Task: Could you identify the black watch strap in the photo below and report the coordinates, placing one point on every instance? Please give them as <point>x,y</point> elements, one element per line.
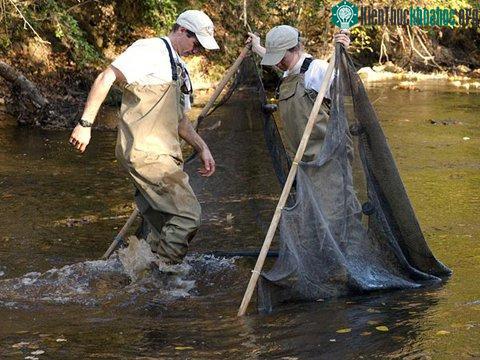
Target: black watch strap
<point>85,123</point>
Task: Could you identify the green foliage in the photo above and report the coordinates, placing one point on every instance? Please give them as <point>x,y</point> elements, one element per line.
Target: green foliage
<point>362,39</point>
<point>68,31</point>
<point>159,14</point>
<point>82,29</point>
<point>51,17</point>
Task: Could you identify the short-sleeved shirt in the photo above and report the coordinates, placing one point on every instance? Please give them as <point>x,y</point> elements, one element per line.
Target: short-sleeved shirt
<point>314,75</point>
<point>147,62</point>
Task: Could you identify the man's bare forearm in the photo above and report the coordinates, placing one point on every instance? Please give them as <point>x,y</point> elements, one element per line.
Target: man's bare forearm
<point>188,133</point>
<point>98,92</point>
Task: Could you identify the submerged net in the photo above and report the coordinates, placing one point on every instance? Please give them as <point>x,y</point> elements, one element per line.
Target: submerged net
<point>348,227</point>
<point>239,198</point>
<point>331,244</point>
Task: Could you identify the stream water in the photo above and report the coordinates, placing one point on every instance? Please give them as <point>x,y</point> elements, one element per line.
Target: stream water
<point>60,211</point>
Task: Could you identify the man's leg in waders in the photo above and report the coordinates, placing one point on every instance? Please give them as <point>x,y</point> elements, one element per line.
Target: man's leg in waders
<point>170,210</point>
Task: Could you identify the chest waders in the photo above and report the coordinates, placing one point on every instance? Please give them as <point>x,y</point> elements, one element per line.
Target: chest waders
<point>148,147</point>
<point>295,103</point>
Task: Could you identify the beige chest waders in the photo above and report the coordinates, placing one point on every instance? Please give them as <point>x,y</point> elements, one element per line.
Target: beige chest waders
<point>295,104</point>
<point>148,148</point>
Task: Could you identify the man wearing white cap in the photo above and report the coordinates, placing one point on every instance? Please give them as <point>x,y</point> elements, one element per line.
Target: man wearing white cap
<point>298,89</point>
<point>157,93</point>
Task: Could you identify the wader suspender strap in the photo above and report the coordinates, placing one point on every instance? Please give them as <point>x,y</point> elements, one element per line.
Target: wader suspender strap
<point>174,71</point>
<point>304,68</point>
<point>306,64</point>
<point>172,61</point>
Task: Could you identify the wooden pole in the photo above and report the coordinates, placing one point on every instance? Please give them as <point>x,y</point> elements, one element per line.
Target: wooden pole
<point>222,83</point>
<point>286,189</point>
<point>121,234</point>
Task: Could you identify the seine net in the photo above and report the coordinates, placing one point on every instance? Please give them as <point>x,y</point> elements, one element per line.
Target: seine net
<point>330,243</point>
<point>348,227</point>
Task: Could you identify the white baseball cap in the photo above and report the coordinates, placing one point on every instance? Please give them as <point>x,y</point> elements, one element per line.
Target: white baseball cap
<point>277,42</point>
<point>198,22</point>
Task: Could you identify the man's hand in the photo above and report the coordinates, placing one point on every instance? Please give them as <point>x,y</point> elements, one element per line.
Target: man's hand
<point>80,137</point>
<point>208,163</point>
<point>343,38</point>
<point>254,39</point>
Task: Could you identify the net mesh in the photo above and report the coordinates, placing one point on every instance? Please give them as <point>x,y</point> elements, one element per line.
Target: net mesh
<point>331,244</point>
<point>348,226</point>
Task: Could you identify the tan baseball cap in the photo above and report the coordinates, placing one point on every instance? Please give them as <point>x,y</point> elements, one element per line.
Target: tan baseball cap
<point>199,23</point>
<point>278,41</point>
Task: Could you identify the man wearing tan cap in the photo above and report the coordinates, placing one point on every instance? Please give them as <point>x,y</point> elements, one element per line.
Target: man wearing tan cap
<point>298,89</point>
<point>157,93</point>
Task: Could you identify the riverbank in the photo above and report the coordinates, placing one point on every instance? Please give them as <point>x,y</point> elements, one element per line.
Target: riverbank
<point>66,89</point>
<point>439,169</point>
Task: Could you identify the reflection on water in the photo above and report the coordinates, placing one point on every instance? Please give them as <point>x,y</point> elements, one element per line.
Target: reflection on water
<point>61,210</point>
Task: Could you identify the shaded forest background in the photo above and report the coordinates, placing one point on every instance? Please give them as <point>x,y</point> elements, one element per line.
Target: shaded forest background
<point>61,45</point>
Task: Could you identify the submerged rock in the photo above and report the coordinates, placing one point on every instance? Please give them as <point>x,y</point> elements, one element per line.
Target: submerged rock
<point>445,122</point>
<point>407,85</point>
<point>475,73</point>
<point>463,69</point>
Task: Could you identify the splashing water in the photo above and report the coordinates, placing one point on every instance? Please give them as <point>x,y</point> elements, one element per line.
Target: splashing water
<point>87,282</point>
<point>131,271</point>
<point>147,269</point>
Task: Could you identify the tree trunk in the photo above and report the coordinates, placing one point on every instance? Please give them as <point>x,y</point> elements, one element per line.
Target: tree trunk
<point>27,102</point>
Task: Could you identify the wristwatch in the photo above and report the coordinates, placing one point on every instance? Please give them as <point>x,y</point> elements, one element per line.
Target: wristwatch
<point>85,123</point>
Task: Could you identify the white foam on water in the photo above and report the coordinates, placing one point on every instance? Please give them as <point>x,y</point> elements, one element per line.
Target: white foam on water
<point>78,283</point>
<point>212,263</point>
<point>129,272</point>
<point>147,270</point>
<point>9,304</point>
<point>137,258</point>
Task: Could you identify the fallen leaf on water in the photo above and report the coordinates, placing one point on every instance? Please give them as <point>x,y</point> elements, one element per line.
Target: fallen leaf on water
<point>344,331</point>
<point>183,348</point>
<point>61,340</point>
<point>365,333</point>
<point>382,328</point>
<point>443,332</point>
<point>333,340</point>
<point>373,322</point>
<point>20,345</point>
<point>370,310</point>
<point>37,352</point>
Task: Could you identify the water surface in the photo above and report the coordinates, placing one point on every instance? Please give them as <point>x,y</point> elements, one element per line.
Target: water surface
<point>60,209</point>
